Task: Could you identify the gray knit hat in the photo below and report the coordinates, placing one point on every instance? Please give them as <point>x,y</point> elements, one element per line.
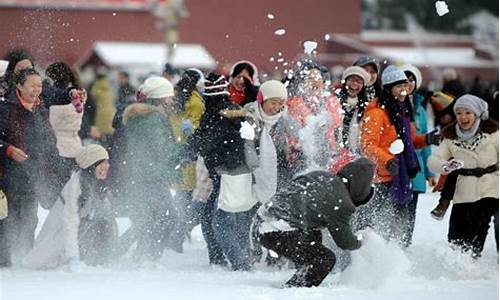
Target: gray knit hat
<point>473,103</point>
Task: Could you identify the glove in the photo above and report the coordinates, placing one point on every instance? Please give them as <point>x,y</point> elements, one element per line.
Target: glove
<point>76,100</point>
<point>451,165</point>
<point>246,131</point>
<point>393,167</point>
<point>433,137</point>
<point>187,127</point>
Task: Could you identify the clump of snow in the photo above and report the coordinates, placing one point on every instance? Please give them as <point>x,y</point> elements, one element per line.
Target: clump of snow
<point>404,93</point>
<point>397,147</point>
<point>280,31</point>
<point>376,264</point>
<point>310,46</point>
<point>270,16</point>
<point>246,131</point>
<point>441,8</point>
<point>327,37</point>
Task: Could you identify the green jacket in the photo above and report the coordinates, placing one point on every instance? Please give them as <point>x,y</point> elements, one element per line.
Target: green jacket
<point>152,154</point>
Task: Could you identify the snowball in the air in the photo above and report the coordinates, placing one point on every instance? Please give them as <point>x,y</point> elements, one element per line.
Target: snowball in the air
<point>441,8</point>
<point>309,46</point>
<point>270,16</point>
<point>280,31</point>
<point>397,147</point>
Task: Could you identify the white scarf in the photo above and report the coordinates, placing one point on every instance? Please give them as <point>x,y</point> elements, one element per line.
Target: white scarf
<point>266,175</point>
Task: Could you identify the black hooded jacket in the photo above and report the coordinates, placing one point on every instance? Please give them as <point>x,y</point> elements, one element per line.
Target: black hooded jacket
<point>319,200</point>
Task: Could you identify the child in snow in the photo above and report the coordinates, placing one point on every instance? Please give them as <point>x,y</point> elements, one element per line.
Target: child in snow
<point>81,202</point>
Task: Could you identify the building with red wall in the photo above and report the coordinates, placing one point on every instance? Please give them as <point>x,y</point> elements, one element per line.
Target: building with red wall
<point>231,30</point>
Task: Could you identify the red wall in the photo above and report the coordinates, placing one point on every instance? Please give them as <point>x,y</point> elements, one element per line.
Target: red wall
<point>48,33</point>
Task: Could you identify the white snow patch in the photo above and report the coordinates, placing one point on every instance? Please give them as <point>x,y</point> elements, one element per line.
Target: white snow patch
<point>270,16</point>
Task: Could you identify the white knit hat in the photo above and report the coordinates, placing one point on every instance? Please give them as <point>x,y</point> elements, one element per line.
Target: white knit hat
<point>91,154</point>
<point>156,87</point>
<point>358,71</point>
<point>415,71</point>
<point>273,89</point>
<point>3,67</point>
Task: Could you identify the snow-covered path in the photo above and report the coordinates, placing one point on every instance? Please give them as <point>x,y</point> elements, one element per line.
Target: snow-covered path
<point>427,270</point>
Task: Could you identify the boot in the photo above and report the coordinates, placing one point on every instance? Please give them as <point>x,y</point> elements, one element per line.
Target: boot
<point>440,210</point>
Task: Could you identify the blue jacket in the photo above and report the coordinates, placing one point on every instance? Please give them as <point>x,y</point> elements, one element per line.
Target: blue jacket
<point>420,115</point>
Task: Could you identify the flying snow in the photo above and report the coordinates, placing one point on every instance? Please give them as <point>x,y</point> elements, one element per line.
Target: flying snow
<point>441,8</point>
<point>310,46</point>
<point>280,31</point>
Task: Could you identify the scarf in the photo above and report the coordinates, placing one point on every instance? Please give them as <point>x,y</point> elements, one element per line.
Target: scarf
<point>237,97</point>
<point>467,135</point>
<point>266,175</point>
<point>400,189</point>
<point>370,92</point>
<point>353,112</point>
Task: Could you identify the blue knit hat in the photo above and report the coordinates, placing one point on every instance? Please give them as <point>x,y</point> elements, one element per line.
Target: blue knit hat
<point>393,74</point>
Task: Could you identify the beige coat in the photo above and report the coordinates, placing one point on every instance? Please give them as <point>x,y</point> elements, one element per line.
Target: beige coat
<point>470,188</point>
<point>66,123</point>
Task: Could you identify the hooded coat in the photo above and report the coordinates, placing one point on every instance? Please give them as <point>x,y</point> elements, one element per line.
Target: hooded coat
<point>319,200</point>
<point>152,153</point>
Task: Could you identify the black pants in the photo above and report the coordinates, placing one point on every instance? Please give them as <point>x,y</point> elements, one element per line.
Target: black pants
<point>449,186</point>
<point>469,223</point>
<point>305,249</point>
<point>21,222</point>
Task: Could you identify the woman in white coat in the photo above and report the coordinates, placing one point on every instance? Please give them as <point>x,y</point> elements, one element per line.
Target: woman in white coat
<point>473,140</point>
<point>59,241</point>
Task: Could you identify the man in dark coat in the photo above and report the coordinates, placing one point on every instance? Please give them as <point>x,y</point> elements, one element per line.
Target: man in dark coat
<point>290,223</point>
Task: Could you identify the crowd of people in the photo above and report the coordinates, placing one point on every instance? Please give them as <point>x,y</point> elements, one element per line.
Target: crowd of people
<point>265,168</point>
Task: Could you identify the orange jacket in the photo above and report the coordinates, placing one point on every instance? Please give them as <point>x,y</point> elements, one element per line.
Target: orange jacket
<point>377,135</point>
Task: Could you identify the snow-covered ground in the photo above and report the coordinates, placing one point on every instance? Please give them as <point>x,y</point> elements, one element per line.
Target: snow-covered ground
<point>427,270</point>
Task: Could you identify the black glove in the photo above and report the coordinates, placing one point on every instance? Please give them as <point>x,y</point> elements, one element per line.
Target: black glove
<point>393,167</point>
<point>433,137</point>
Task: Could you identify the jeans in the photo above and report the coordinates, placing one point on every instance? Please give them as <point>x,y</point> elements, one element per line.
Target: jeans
<point>215,254</point>
<point>232,231</point>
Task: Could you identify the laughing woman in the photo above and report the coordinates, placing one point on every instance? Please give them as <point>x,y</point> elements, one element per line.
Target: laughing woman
<point>473,139</point>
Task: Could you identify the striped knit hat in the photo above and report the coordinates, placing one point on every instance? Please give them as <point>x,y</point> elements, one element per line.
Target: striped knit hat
<point>215,84</point>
